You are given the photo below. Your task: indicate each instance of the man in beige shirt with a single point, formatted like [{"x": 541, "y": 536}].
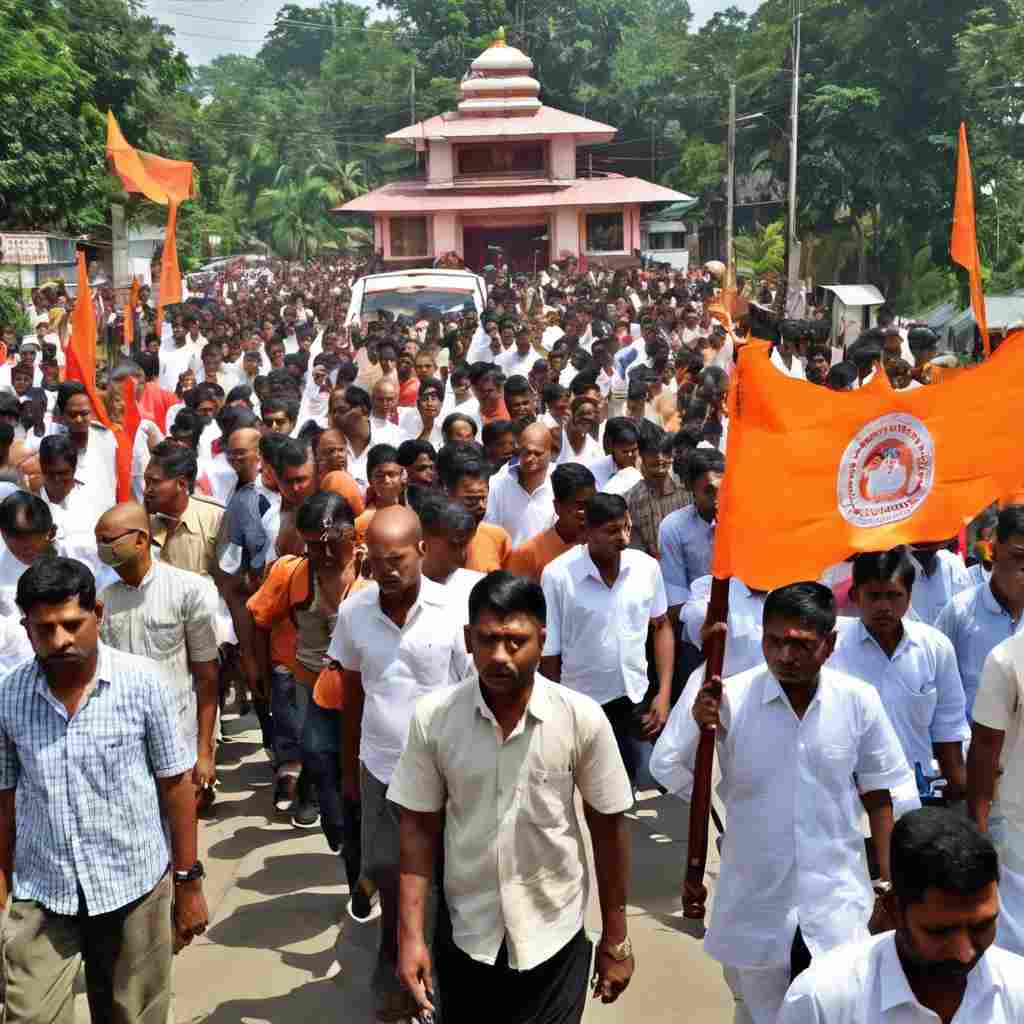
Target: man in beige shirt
[
  {"x": 184, "y": 526},
  {"x": 492, "y": 766}
]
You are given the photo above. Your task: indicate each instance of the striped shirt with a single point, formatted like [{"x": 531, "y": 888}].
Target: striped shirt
[
  {"x": 87, "y": 809},
  {"x": 169, "y": 617}
]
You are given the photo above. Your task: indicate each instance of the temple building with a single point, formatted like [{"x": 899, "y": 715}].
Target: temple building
[{"x": 501, "y": 177}]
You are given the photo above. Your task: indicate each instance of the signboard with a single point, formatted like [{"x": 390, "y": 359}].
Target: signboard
[{"x": 25, "y": 249}]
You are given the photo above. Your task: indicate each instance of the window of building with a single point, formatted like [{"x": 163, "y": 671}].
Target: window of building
[
  {"x": 605, "y": 232},
  {"x": 408, "y": 237},
  {"x": 488, "y": 158}
]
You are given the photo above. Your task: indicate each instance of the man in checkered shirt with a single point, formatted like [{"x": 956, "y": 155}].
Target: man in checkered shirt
[{"x": 92, "y": 762}]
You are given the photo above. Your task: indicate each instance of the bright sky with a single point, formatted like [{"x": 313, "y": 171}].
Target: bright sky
[{"x": 207, "y": 28}]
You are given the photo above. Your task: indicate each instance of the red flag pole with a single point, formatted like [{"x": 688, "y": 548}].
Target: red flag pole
[{"x": 694, "y": 893}]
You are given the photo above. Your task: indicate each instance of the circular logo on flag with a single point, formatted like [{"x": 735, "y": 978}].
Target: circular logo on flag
[{"x": 887, "y": 471}]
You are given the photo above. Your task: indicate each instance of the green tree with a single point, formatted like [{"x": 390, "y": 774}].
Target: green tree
[
  {"x": 701, "y": 168},
  {"x": 293, "y": 214},
  {"x": 762, "y": 251}
]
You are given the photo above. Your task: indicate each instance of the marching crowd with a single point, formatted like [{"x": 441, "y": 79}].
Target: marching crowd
[{"x": 459, "y": 568}]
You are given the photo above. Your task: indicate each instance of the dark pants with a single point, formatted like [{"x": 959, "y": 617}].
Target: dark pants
[
  {"x": 289, "y": 701},
  {"x": 621, "y": 713},
  {"x": 554, "y": 992},
  {"x": 321, "y": 753}
]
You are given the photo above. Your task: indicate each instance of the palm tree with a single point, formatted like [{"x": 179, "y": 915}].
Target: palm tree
[
  {"x": 294, "y": 214},
  {"x": 228, "y": 214},
  {"x": 345, "y": 177},
  {"x": 764, "y": 251}
]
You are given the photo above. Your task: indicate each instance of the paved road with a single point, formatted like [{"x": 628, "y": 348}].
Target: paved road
[{"x": 279, "y": 947}]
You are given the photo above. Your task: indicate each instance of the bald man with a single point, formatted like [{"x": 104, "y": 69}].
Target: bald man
[
  {"x": 167, "y": 614},
  {"x": 521, "y": 500},
  {"x": 394, "y": 641}
]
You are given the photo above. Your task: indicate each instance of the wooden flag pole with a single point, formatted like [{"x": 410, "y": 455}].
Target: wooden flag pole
[{"x": 694, "y": 892}]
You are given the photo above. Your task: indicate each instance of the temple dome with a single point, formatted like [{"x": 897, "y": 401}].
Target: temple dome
[{"x": 499, "y": 84}]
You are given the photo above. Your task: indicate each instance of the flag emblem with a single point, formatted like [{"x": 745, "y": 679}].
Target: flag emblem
[{"x": 886, "y": 472}]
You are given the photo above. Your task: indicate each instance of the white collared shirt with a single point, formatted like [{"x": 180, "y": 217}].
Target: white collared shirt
[
  {"x": 591, "y": 454},
  {"x": 170, "y": 618},
  {"x": 380, "y": 433},
  {"x": 919, "y": 685},
  {"x": 864, "y": 983},
  {"x": 999, "y": 705},
  {"x": 931, "y": 594},
  {"x": 745, "y": 631},
  {"x": 520, "y": 513},
  {"x": 515, "y": 866},
  {"x": 601, "y": 631},
  {"x": 793, "y": 854},
  {"x": 515, "y": 365},
  {"x": 397, "y": 664},
  {"x": 410, "y": 422}
]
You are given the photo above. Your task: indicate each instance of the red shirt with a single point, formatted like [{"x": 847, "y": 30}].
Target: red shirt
[{"x": 409, "y": 391}]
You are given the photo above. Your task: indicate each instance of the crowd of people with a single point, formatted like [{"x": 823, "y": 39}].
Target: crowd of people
[{"x": 459, "y": 568}]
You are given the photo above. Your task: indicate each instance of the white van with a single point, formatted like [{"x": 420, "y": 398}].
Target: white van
[{"x": 420, "y": 294}]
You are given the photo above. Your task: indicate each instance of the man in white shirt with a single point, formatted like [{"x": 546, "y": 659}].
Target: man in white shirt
[
  {"x": 940, "y": 963},
  {"x": 520, "y": 499},
  {"x": 395, "y": 641},
  {"x": 514, "y": 738},
  {"x": 941, "y": 576},
  {"x": 617, "y": 472},
  {"x": 97, "y": 447},
  {"x": 447, "y": 530},
  {"x": 603, "y": 599},
  {"x": 802, "y": 749},
  {"x": 166, "y": 614},
  {"x": 177, "y": 355},
  {"x": 578, "y": 443},
  {"x": 911, "y": 665},
  {"x": 979, "y": 618},
  {"x": 519, "y": 359},
  {"x": 995, "y": 777}
]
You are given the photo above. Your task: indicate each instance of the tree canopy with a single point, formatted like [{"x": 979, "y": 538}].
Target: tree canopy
[{"x": 280, "y": 137}]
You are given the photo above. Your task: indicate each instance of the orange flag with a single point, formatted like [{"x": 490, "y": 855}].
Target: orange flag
[
  {"x": 81, "y": 351},
  {"x": 157, "y": 178},
  {"x": 129, "y": 316},
  {"x": 170, "y": 275},
  {"x": 963, "y": 244},
  {"x": 813, "y": 476}
]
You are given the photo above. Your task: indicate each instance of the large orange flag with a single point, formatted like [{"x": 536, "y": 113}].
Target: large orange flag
[
  {"x": 81, "y": 351},
  {"x": 813, "y": 476},
  {"x": 963, "y": 244},
  {"x": 157, "y": 178},
  {"x": 170, "y": 274}
]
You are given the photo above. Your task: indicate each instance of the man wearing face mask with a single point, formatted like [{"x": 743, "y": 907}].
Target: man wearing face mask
[
  {"x": 167, "y": 614},
  {"x": 940, "y": 962}
]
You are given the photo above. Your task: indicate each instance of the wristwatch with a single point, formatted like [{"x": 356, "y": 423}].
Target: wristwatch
[
  {"x": 192, "y": 874},
  {"x": 882, "y": 888},
  {"x": 617, "y": 951}
]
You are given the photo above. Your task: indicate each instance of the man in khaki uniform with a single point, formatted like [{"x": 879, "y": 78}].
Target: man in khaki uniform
[{"x": 185, "y": 526}]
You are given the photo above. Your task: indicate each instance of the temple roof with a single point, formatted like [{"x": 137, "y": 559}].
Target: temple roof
[
  {"x": 546, "y": 121},
  {"x": 415, "y": 197}
]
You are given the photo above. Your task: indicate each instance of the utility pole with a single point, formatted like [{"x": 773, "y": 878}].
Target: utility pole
[
  {"x": 793, "y": 303},
  {"x": 730, "y": 199},
  {"x": 412, "y": 113},
  {"x": 654, "y": 163}
]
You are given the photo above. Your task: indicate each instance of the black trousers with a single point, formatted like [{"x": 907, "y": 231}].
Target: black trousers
[{"x": 554, "y": 992}]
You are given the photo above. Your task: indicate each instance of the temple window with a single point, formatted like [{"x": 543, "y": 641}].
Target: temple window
[
  {"x": 409, "y": 237},
  {"x": 605, "y": 232}
]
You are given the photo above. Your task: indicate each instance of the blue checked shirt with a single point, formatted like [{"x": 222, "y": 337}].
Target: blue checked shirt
[{"x": 87, "y": 811}]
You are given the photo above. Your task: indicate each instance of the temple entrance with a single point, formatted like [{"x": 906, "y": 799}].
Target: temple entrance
[{"x": 523, "y": 249}]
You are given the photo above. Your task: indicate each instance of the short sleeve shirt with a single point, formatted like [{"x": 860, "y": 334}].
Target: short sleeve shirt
[{"x": 243, "y": 542}]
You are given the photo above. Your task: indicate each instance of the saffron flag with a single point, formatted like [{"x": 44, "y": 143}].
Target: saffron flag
[
  {"x": 128, "y": 336},
  {"x": 170, "y": 275},
  {"x": 157, "y": 178},
  {"x": 813, "y": 476},
  {"x": 963, "y": 244},
  {"x": 81, "y": 351}
]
